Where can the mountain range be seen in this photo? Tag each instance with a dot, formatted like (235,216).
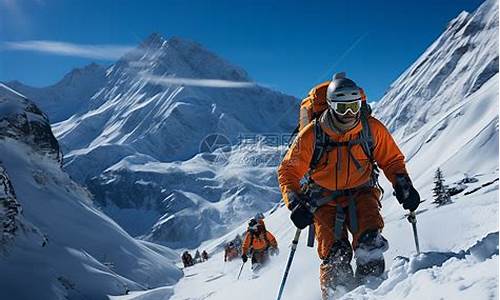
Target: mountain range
(143,145)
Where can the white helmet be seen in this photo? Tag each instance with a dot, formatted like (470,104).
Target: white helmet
(342,89)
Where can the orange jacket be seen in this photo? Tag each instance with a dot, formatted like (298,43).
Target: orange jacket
(297,160)
(259,242)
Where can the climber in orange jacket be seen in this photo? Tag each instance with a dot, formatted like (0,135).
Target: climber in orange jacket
(329,178)
(258,242)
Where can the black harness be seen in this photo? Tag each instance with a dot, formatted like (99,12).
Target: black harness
(322,146)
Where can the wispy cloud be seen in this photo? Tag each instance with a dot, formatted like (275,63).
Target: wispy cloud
(99,52)
(213,83)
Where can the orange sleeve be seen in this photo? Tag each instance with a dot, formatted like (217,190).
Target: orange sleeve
(296,162)
(246,243)
(386,152)
(271,239)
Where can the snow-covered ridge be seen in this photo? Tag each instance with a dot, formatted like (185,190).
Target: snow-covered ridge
(53,238)
(68,96)
(456,65)
(22,120)
(180,204)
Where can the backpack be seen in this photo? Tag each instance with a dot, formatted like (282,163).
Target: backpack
(312,106)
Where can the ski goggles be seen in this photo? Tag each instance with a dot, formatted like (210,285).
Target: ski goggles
(342,108)
(253,228)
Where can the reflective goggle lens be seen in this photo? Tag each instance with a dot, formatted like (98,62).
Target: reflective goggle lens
(343,107)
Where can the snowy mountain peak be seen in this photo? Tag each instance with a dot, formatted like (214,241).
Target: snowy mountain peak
(458,22)
(153,41)
(177,57)
(69,95)
(457,64)
(92,73)
(136,121)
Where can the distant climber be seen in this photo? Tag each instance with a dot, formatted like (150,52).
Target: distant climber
(204,255)
(187,259)
(230,251)
(197,257)
(258,243)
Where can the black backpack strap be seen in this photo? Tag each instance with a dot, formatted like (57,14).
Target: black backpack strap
(320,144)
(356,162)
(323,144)
(311,236)
(366,133)
(368,143)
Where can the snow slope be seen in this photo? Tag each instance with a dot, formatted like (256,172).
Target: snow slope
(459,243)
(454,128)
(58,245)
(449,268)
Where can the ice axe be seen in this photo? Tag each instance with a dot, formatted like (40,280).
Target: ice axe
(412,218)
(289,262)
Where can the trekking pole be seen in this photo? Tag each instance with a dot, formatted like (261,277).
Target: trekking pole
(241,269)
(412,218)
(289,263)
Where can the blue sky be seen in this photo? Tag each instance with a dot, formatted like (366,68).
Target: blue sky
(287,45)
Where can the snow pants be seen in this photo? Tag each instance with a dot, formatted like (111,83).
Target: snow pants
(368,218)
(259,259)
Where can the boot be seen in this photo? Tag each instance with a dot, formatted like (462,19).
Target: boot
(336,274)
(370,264)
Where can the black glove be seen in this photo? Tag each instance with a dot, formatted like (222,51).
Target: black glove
(406,193)
(301,214)
(244,257)
(293,200)
(274,251)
